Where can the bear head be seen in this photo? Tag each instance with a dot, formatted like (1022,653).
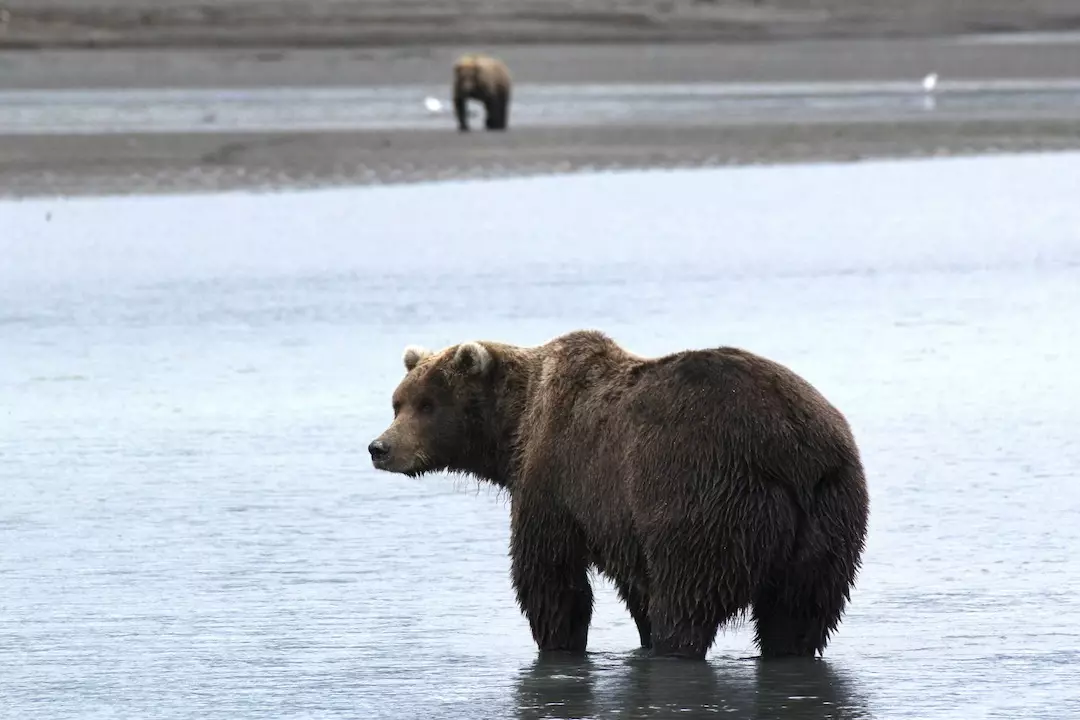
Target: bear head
(444,411)
(467,74)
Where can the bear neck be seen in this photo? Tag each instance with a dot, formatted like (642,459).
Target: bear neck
(495,458)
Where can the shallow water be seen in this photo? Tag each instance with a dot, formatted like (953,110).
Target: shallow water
(191,526)
(534,105)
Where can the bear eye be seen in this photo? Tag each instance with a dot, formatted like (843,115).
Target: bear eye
(397,408)
(426,406)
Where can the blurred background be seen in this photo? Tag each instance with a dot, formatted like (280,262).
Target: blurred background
(221,222)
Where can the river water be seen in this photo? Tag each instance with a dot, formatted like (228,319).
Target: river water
(190,526)
(38,112)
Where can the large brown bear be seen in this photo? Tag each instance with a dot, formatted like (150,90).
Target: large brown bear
(703,483)
(483,78)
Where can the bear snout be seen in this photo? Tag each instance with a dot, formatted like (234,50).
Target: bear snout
(379,451)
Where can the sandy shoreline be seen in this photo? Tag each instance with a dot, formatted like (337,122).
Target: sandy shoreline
(1056,55)
(179,161)
(185,163)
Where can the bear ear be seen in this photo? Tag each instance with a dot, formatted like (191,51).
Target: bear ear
(472,358)
(413,355)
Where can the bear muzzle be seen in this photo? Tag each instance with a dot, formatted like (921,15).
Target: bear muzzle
(380,453)
(382,456)
(395,457)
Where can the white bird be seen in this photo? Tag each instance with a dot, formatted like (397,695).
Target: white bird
(929,82)
(432,104)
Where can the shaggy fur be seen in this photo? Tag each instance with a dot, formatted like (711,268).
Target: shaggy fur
(704,483)
(483,78)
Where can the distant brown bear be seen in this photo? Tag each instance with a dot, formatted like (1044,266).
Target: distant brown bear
(483,78)
(704,483)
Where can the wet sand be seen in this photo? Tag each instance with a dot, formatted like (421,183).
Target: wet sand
(196,162)
(222,159)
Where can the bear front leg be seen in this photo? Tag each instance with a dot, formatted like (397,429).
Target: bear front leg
(637,602)
(462,112)
(550,575)
(690,593)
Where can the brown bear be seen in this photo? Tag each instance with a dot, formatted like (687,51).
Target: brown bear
(483,78)
(703,483)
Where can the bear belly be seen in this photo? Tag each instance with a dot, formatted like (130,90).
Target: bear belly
(620,561)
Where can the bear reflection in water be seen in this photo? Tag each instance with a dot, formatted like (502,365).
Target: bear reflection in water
(704,483)
(641,687)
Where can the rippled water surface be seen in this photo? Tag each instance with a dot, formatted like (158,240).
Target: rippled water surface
(190,526)
(534,105)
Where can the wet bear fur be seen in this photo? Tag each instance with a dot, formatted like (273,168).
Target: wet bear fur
(704,483)
(486,79)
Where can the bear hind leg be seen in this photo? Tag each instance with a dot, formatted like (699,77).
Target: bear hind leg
(800,607)
(796,620)
(688,600)
(687,628)
(637,602)
(497,110)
